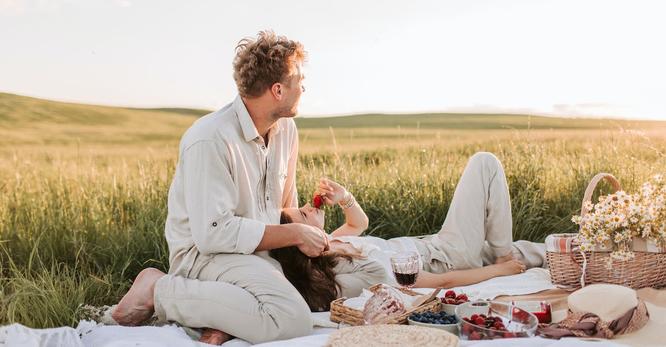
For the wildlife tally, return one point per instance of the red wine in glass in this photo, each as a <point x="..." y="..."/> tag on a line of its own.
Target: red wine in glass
<point x="405" y="280"/>
<point x="406" y="268"/>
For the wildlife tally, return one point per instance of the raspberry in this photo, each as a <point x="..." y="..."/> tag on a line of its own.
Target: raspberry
<point x="450" y="294"/>
<point x="474" y="316"/>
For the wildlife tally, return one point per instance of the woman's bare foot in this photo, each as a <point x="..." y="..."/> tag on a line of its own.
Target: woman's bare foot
<point x="138" y="305"/>
<point x="504" y="259"/>
<point x="214" y="336"/>
<point x="511" y="267"/>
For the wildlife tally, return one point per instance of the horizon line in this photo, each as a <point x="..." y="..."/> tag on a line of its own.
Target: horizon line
<point x="470" y="110"/>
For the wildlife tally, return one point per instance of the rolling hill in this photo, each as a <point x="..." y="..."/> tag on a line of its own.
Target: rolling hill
<point x="27" y="120"/>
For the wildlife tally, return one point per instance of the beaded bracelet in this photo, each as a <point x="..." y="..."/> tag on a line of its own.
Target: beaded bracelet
<point x="348" y="202"/>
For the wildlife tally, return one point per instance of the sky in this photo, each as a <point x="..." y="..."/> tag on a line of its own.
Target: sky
<point x="561" y="57"/>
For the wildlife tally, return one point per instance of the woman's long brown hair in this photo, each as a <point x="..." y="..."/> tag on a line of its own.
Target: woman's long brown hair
<point x="314" y="278"/>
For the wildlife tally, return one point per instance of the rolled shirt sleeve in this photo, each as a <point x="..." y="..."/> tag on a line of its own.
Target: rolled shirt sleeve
<point x="211" y="200"/>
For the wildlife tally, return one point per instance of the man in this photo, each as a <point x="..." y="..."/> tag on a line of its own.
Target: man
<point x="235" y="172"/>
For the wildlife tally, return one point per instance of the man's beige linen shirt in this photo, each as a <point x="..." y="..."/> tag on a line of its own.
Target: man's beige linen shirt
<point x="228" y="186"/>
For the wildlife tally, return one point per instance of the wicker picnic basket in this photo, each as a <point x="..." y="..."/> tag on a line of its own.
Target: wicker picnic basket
<point x="343" y="314"/>
<point x="572" y="268"/>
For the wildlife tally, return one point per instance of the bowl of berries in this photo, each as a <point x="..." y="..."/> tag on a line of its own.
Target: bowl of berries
<point x="451" y="300"/>
<point x="488" y="320"/>
<point x="439" y="320"/>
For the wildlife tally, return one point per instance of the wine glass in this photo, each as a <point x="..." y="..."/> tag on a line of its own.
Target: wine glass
<point x="406" y="268"/>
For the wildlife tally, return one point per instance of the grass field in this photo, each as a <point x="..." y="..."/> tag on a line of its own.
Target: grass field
<point x="83" y="188"/>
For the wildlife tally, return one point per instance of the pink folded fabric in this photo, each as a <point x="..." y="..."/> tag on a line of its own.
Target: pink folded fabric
<point x="590" y="325"/>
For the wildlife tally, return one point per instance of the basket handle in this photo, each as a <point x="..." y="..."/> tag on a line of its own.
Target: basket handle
<point x="593" y="185"/>
<point x="583" y="211"/>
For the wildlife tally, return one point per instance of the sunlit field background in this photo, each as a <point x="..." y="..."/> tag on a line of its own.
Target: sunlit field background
<point x="83" y="188"/>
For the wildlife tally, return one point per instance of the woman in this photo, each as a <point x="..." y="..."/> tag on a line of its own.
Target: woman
<point x="474" y="244"/>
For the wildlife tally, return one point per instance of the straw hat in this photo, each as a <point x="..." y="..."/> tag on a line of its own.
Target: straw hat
<point x="608" y="301"/>
<point x="391" y="335"/>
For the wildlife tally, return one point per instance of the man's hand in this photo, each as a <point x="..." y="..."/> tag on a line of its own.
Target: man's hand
<point x="313" y="241"/>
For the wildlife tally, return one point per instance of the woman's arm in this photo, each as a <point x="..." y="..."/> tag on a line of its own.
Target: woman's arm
<point x="458" y="278"/>
<point x="355" y="219"/>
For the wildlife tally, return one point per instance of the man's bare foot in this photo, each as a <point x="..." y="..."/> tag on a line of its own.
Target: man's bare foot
<point x="504" y="259"/>
<point x="511" y="267"/>
<point x="138" y="305"/>
<point x="214" y="337"/>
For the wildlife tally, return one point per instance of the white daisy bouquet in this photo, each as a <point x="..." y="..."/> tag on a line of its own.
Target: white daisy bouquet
<point x="619" y="221"/>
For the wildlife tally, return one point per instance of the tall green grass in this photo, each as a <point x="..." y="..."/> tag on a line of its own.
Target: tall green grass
<point x="77" y="230"/>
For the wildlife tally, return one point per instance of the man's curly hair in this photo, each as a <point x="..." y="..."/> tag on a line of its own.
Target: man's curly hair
<point x="263" y="61"/>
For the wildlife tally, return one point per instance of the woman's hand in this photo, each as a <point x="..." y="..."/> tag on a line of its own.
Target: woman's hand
<point x="331" y="192"/>
<point x="511" y="267"/>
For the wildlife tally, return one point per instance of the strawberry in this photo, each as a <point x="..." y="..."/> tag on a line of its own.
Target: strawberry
<point x="450" y="294"/>
<point x="480" y="321"/>
<point x="467" y="329"/>
<point x="475" y="335"/>
<point x="317" y="201"/>
<point x="462" y="297"/>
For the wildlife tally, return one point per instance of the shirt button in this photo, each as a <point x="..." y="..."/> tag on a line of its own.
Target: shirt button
<point x="267" y="198"/>
<point x="214" y="224"/>
<point x="263" y="147"/>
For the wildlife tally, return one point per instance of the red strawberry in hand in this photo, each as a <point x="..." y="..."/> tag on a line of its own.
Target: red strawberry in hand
<point x="317" y="201"/>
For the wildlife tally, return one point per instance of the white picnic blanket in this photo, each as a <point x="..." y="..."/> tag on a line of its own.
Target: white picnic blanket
<point x="532" y="281"/>
<point x="97" y="335"/>
<point x="172" y="336"/>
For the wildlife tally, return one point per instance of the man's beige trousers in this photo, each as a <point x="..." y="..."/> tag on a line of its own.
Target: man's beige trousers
<point x="242" y="295"/>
